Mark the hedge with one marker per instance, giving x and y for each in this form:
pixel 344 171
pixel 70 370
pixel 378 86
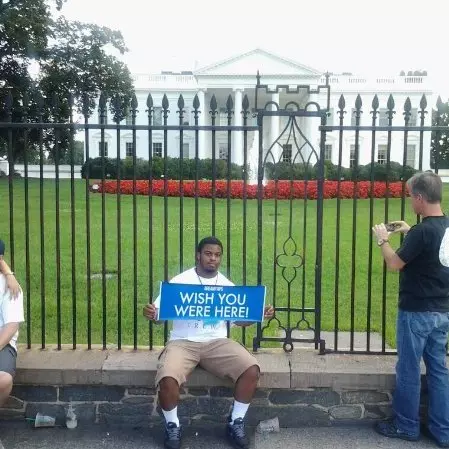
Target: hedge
pixel 282 170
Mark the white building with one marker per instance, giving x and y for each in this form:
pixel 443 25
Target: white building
pixel 237 77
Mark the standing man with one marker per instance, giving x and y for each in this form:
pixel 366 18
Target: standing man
pixel 198 342
pixel 11 315
pixel 423 316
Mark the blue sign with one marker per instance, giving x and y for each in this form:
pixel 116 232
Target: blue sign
pixel 211 303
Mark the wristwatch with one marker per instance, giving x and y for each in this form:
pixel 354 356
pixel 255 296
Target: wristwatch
pixel 380 242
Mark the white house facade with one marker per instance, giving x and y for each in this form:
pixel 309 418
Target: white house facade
pixel 237 77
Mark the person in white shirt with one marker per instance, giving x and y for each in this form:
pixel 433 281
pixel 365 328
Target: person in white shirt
pixel 198 342
pixel 11 315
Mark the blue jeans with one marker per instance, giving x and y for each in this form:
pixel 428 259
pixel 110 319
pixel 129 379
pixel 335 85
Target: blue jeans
pixel 422 334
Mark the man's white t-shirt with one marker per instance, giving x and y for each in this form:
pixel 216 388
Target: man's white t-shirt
pixel 11 310
pixel 194 330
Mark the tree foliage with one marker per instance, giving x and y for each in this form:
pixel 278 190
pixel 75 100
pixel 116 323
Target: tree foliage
pixel 74 67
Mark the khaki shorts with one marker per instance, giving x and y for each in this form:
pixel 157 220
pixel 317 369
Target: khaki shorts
pixel 222 357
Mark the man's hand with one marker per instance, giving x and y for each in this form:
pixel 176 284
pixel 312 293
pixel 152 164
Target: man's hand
pixel 402 226
pixel 150 312
pixel 13 286
pixel 268 312
pixel 380 231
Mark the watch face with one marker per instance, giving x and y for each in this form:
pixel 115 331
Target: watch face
pixel 380 241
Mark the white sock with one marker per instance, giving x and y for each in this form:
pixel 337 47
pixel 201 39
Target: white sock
pixel 171 416
pixel 239 410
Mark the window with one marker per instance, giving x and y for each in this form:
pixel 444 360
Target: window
pixel 223 152
pixel 287 152
pixel 383 117
pixel 157 117
pixel 353 120
pixel 411 155
pixel 103 149
pixel 330 118
pixel 223 117
pixel 157 149
pixel 352 156
pixel 382 154
pixel 129 149
pixel 185 151
pixel 413 117
pixel 328 152
pixel 103 119
pixel 186 117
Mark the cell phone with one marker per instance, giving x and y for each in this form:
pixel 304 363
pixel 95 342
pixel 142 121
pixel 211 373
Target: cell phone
pixel 391 227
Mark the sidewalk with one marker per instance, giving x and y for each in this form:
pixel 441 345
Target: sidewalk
pixel 21 436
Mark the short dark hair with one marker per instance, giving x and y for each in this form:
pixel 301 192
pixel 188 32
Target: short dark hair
pixel 428 185
pixel 209 241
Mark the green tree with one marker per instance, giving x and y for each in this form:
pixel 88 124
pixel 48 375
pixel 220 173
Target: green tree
pixel 74 66
pixel 440 139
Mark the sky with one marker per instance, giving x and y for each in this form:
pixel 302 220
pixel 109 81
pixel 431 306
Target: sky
pixel 366 38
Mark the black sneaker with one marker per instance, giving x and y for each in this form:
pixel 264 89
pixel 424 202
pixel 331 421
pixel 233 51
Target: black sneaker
pixel 172 436
pixel 388 428
pixel 236 434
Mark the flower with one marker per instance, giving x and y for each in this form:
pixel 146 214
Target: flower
pixel 282 189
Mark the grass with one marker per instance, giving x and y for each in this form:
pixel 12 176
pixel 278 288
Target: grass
pixel 117 317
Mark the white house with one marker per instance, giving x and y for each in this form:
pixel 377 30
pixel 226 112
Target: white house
pixel 236 76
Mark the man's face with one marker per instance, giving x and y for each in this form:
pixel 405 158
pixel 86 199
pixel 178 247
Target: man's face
pixel 417 203
pixel 210 258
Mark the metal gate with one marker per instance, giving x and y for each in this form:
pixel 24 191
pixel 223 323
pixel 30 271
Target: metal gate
pixel 297 224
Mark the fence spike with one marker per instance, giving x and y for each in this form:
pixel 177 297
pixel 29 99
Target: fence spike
pixel 134 103
pixel 8 102
pixel 102 102
pixel 149 102
pixel 407 105
pixel 181 103
pixel 196 102
pixel 25 103
pixel 375 103
pixel 229 103
pixel 341 102
pixel 213 103
pixel 165 103
pixel 423 102
pixel 440 104
pixel 86 105
pixel 390 103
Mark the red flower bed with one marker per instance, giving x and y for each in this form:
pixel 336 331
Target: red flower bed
pixel 281 189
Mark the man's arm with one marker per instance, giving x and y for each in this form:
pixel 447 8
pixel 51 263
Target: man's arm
pixel 411 247
pixel 7 332
pixel 392 260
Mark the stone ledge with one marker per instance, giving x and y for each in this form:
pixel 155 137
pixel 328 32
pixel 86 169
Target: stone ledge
pixel 127 367
pixel 117 388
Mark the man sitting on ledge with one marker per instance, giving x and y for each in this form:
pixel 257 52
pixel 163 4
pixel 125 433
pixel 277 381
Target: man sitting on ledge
pixel 197 342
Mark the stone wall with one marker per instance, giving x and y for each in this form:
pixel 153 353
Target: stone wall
pixel 117 388
pixel 137 407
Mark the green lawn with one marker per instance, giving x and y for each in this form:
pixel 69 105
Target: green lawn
pixel 105 303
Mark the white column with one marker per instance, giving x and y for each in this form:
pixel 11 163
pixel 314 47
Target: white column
pixel 202 122
pixel 274 128
pixel 237 144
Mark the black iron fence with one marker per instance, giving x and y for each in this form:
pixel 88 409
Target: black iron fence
pixel 295 213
